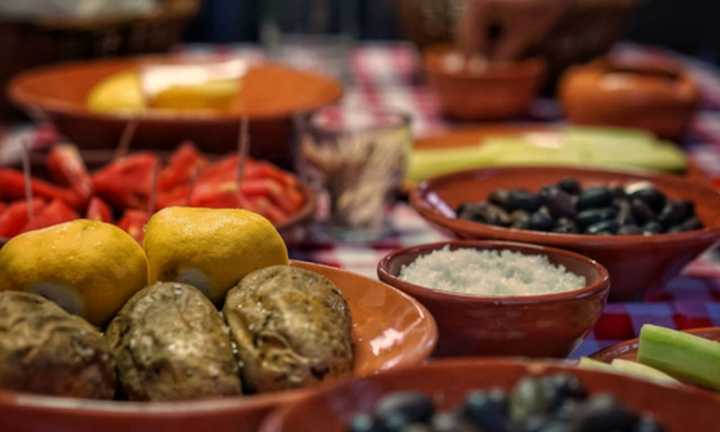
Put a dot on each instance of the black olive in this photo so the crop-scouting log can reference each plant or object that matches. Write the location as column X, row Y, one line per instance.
column 651, row 228
column 411, row 406
column 619, row 192
column 630, row 230
column 487, row 410
column 624, row 212
column 603, row 228
column 519, row 216
column 451, row 422
column 593, row 216
column 416, row 427
column 570, row 185
column 364, row 423
column 541, row 220
column 602, row 413
column 565, row 226
column 690, row 224
column 652, row 197
column 648, row 424
column 523, row 200
column 484, row 213
column 595, row 197
column 527, row 400
column 641, row 211
column 559, row 202
column 672, row 214
column 500, row 197
column 689, row 207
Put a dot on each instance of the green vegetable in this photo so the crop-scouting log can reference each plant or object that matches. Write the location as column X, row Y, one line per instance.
column 590, row 364
column 681, row 355
column 643, row 371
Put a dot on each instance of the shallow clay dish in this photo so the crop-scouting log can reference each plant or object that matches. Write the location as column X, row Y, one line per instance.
column 390, row 330
column 658, row 96
column 448, row 381
column 548, row 325
column 637, row 264
column 628, row 350
column 271, row 94
column 498, row 90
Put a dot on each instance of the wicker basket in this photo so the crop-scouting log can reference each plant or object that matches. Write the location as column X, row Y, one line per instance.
column 586, row 32
column 26, row 44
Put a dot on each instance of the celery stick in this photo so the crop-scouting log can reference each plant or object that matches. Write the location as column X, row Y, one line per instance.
column 590, row 364
column 681, row 355
column 643, row 371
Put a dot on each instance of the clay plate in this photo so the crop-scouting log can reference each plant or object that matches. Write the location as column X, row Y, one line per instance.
column 637, row 264
column 449, row 380
column 390, row 330
column 271, row 95
column 547, row 325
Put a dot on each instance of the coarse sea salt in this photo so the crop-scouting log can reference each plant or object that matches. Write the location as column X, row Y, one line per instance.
column 490, row 273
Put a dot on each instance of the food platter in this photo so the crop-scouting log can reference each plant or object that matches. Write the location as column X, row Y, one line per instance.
column 269, row 99
column 375, row 307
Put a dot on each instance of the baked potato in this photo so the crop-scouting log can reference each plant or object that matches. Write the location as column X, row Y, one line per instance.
column 170, row 343
column 44, row 349
column 292, row 327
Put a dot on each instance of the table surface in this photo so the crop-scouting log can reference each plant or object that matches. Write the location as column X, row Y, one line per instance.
column 387, row 75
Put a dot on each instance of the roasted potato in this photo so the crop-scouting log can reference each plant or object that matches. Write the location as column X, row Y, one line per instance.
column 292, row 328
column 44, row 349
column 170, row 343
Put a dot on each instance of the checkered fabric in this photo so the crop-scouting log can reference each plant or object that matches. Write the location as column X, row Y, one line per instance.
column 388, row 76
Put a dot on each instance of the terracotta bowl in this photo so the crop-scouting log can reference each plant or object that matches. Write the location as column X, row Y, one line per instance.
column 637, row 264
column 391, row 330
column 271, row 95
column 448, row 381
column 500, row 90
column 658, row 96
column 548, row 325
column 628, row 350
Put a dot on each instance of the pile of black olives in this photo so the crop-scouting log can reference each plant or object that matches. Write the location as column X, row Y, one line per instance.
column 567, row 207
column 554, row 403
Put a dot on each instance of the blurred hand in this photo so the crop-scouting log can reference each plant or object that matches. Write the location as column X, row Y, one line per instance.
column 522, row 23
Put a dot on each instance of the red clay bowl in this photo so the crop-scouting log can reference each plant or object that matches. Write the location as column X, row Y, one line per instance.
column 660, row 96
column 549, row 325
column 637, row 264
column 501, row 90
column 627, row 350
column 271, row 95
column 447, row 381
column 390, row 329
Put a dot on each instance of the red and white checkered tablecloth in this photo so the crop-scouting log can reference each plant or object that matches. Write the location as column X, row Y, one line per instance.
column 388, row 75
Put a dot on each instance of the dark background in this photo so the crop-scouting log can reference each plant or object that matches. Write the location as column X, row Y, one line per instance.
column 689, row 26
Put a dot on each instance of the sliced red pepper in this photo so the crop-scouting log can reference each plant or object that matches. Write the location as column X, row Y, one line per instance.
column 67, row 167
column 266, row 208
column 126, row 182
column 98, row 210
column 133, row 221
column 3, row 206
column 15, row 216
column 185, row 163
column 268, row 170
column 54, row 213
column 180, row 196
column 12, row 186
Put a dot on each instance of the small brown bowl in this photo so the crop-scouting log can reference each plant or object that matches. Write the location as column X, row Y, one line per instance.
column 546, row 325
column 447, row 382
column 637, row 264
column 390, row 330
column 627, row 350
column 500, row 90
column 270, row 96
column 660, row 96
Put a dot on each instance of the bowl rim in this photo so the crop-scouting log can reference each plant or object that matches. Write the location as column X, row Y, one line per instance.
column 600, row 286
column 33, row 101
column 533, row 367
column 523, row 69
column 133, row 409
column 429, row 212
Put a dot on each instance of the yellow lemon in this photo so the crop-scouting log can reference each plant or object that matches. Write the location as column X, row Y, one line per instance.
column 119, row 93
column 90, row 268
column 212, row 249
